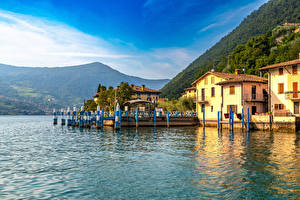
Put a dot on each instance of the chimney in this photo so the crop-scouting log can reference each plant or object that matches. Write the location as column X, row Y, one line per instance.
column 143, row 87
column 237, row 71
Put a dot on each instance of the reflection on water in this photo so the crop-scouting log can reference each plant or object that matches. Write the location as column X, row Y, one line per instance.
column 42, row 161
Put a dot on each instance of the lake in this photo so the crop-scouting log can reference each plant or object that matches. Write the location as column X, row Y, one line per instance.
column 42, row 161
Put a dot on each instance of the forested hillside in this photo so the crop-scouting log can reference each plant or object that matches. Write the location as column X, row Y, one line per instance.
column 259, row 22
column 34, row 90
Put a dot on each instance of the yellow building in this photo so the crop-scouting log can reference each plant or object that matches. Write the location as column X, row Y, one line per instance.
column 208, row 94
column 216, row 91
column 189, row 92
column 284, row 88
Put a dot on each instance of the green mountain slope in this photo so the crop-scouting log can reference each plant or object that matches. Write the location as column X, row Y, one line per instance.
column 267, row 17
column 45, row 88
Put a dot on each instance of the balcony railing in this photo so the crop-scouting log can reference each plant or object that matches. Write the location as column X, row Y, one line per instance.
column 292, row 95
column 250, row 98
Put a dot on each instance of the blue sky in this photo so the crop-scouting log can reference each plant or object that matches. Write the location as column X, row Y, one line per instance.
column 146, row 38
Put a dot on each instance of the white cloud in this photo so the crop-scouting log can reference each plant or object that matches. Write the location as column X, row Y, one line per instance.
column 28, row 41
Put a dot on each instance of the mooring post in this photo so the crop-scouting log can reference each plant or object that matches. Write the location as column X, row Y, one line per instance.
column 81, row 117
column 117, row 117
column 229, row 120
column 221, row 119
column 154, row 117
column 54, row 117
column 248, row 119
column 242, row 118
column 168, row 119
column 218, row 120
column 89, row 118
column 102, row 118
column 203, row 117
column 232, row 120
column 74, row 116
column 136, row 118
column 98, row 117
column 63, row 120
column 69, row 116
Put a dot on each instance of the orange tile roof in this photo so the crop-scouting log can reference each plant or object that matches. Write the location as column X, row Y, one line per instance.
column 140, row 89
column 291, row 62
column 244, row 78
column 233, row 77
column 189, row 89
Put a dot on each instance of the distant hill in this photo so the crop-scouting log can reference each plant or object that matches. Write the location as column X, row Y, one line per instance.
column 267, row 17
column 45, row 88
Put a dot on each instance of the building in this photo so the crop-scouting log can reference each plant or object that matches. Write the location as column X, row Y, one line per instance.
column 141, row 93
column 216, row 91
column 284, row 88
column 243, row 91
column 189, row 93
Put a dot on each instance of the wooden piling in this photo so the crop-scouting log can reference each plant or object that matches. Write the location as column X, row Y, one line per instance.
column 248, row 119
column 243, row 123
column 168, row 119
column 203, row 119
column 54, row 117
column 154, row 117
column 137, row 118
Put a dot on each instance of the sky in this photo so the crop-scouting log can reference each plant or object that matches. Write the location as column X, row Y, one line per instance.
column 146, row 38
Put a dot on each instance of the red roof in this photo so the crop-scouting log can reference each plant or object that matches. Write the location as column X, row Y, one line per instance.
column 190, row 89
column 230, row 78
column 283, row 64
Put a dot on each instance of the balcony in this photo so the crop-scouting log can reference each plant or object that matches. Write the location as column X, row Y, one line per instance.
column 251, row 98
column 292, row 95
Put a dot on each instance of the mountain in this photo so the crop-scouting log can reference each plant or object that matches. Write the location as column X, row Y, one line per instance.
column 267, row 17
column 44, row 88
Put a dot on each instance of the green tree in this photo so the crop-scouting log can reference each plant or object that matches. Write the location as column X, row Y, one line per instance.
column 124, row 93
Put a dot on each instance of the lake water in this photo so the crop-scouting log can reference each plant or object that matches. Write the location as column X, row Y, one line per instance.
column 42, row 161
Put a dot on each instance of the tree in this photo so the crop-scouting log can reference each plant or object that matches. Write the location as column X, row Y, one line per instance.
column 124, row 93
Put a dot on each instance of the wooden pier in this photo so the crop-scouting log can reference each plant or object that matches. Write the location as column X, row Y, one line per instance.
column 118, row 119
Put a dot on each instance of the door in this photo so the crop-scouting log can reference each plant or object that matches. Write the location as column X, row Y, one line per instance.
column 295, row 90
column 296, row 107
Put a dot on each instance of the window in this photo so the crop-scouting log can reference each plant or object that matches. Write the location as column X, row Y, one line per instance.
column 212, row 80
column 280, row 71
column 211, row 109
column 280, row 88
column 279, row 106
column 254, row 92
column 232, row 107
column 212, row 92
column 232, row 90
column 205, row 81
column 295, row 69
column 253, row 110
column 203, row 94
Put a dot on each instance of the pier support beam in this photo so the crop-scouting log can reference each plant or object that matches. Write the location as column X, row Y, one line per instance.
column 203, row 119
column 248, row 119
column 168, row 119
column 137, row 118
column 54, row 117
